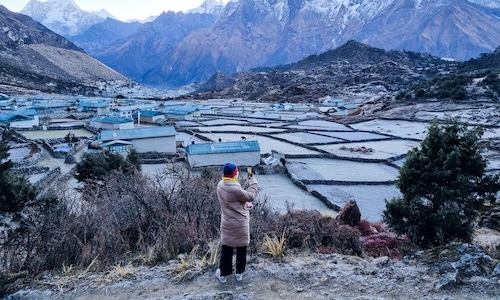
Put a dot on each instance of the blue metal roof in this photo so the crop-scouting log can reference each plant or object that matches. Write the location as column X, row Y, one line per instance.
column 225, row 147
column 137, row 133
column 51, row 105
column 112, row 120
column 8, row 118
column 334, row 100
column 149, row 113
column 25, row 112
column 349, row 106
column 98, row 103
column 185, row 110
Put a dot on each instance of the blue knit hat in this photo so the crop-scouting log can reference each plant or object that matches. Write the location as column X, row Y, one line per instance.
column 229, row 169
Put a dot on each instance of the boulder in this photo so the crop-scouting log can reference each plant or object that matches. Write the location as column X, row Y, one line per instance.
column 350, row 214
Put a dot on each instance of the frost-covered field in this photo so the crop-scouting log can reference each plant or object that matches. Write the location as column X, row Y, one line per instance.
column 187, row 124
column 493, row 158
column 320, row 125
column 262, row 121
column 404, row 129
column 400, row 162
column 55, row 134
column 484, row 115
column 353, row 135
column 381, row 149
column 18, row 154
column 187, row 138
column 223, row 122
column 266, row 144
column 370, row 198
column 343, row 170
column 491, row 133
column 306, row 138
column 279, row 190
column 238, row 128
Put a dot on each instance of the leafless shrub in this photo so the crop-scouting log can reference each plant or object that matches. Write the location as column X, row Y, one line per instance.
column 151, row 219
column 134, row 217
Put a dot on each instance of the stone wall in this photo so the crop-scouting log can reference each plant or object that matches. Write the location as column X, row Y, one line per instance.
column 159, row 158
column 47, row 179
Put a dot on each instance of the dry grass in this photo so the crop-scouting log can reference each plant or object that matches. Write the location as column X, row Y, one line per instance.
column 70, row 277
column 119, row 273
column 192, row 264
column 275, row 246
column 489, row 239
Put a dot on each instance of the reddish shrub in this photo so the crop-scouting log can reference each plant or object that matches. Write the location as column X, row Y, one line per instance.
column 312, row 230
column 367, row 228
column 385, row 244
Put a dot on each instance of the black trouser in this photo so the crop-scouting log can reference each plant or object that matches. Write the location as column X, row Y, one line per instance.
column 226, row 260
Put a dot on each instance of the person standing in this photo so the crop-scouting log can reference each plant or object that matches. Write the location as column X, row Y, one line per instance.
column 235, row 203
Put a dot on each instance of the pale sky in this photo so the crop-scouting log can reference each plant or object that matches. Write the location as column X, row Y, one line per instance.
column 122, row 9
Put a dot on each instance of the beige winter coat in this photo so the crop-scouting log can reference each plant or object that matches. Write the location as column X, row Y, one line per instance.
column 235, row 217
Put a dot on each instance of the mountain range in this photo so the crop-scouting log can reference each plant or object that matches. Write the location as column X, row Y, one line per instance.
column 34, row 57
column 181, row 48
column 63, row 16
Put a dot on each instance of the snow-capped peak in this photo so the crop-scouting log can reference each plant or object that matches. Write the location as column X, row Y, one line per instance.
column 62, row 16
column 213, row 7
column 103, row 13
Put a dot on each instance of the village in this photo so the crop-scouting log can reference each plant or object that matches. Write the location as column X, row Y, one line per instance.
column 328, row 159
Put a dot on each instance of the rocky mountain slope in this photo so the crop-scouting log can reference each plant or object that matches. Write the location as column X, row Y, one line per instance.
column 32, row 56
column 101, row 36
column 139, row 56
column 258, row 33
column 354, row 71
column 245, row 34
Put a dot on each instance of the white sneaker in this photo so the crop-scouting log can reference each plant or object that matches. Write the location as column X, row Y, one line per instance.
column 239, row 277
column 222, row 279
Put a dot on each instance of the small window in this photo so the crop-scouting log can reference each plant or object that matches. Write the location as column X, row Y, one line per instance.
column 118, row 148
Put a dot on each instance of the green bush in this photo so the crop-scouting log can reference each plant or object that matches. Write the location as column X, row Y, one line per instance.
column 443, row 185
column 94, row 166
column 420, row 93
column 15, row 191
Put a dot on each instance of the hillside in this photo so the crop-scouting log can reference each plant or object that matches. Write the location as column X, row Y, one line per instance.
column 354, row 71
column 254, row 33
column 33, row 57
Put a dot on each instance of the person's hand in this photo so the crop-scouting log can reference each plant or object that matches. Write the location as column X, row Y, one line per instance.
column 249, row 205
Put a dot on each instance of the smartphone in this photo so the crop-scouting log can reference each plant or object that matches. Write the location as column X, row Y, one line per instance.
column 249, row 171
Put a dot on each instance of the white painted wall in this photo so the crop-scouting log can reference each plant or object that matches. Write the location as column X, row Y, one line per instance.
column 25, row 124
column 157, row 144
column 219, row 159
column 111, row 126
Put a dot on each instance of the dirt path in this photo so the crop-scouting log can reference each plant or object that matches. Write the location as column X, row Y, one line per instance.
column 312, row 276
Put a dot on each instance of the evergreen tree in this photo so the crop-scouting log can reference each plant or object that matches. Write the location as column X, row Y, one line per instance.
column 134, row 159
column 15, row 191
column 443, row 185
column 94, row 166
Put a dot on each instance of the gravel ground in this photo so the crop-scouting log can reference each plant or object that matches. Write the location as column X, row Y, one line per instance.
column 298, row 276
